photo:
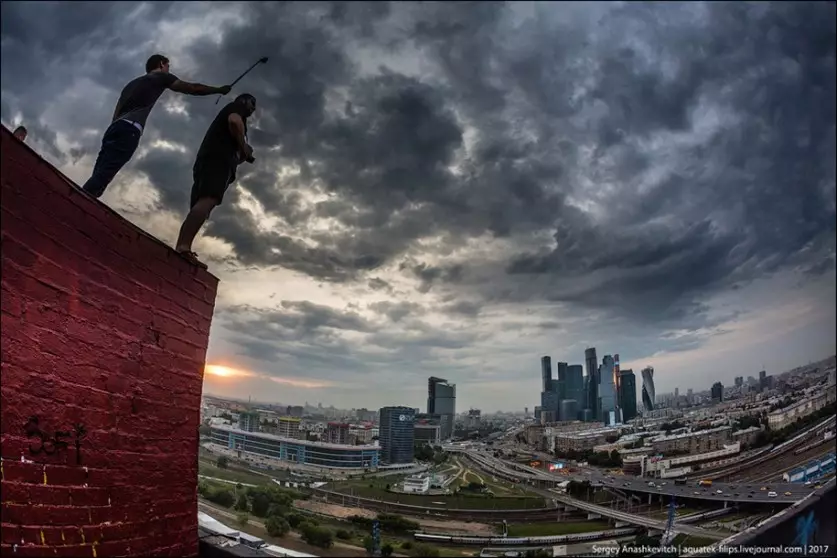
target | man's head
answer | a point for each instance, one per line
(248, 102)
(20, 133)
(157, 63)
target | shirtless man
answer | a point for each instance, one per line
(135, 103)
(224, 147)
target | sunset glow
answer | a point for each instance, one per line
(225, 371)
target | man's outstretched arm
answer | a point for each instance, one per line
(198, 89)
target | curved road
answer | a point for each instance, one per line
(786, 493)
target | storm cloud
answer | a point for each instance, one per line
(464, 185)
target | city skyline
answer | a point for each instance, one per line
(455, 190)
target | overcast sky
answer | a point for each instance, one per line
(456, 189)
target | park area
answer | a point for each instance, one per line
(464, 494)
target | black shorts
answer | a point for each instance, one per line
(211, 180)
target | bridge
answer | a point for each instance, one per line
(783, 493)
(635, 519)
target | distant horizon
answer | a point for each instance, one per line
(833, 356)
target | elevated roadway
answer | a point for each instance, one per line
(786, 493)
(635, 519)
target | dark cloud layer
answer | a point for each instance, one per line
(633, 158)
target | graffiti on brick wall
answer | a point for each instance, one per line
(49, 444)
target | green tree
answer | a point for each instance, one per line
(241, 504)
(367, 543)
(276, 526)
(295, 519)
(317, 536)
(342, 534)
(223, 462)
(261, 504)
(221, 497)
(387, 550)
(424, 550)
(242, 518)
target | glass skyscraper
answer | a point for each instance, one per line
(574, 387)
(627, 394)
(607, 390)
(648, 392)
(396, 434)
(441, 400)
(592, 365)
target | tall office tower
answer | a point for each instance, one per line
(607, 391)
(690, 398)
(396, 434)
(574, 388)
(763, 380)
(648, 392)
(616, 375)
(717, 392)
(627, 394)
(739, 381)
(546, 373)
(592, 365)
(550, 403)
(441, 400)
(569, 409)
(560, 385)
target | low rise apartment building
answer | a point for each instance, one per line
(693, 442)
(782, 418)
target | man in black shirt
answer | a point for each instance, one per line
(224, 147)
(135, 103)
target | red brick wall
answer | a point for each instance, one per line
(104, 335)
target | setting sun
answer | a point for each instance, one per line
(224, 371)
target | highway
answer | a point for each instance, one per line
(786, 493)
(635, 519)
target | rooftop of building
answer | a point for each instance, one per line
(276, 438)
(691, 434)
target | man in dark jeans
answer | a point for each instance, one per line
(224, 147)
(135, 103)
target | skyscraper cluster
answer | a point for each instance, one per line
(606, 393)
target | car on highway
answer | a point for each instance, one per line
(771, 494)
(719, 491)
(788, 494)
(763, 488)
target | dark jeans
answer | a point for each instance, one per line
(118, 145)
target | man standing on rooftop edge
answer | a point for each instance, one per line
(135, 103)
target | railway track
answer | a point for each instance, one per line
(516, 515)
(790, 463)
(740, 471)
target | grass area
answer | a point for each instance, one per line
(692, 541)
(557, 528)
(377, 488)
(237, 475)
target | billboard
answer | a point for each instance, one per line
(556, 465)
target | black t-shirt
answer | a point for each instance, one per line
(140, 96)
(219, 143)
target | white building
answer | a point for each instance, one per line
(416, 484)
(784, 417)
